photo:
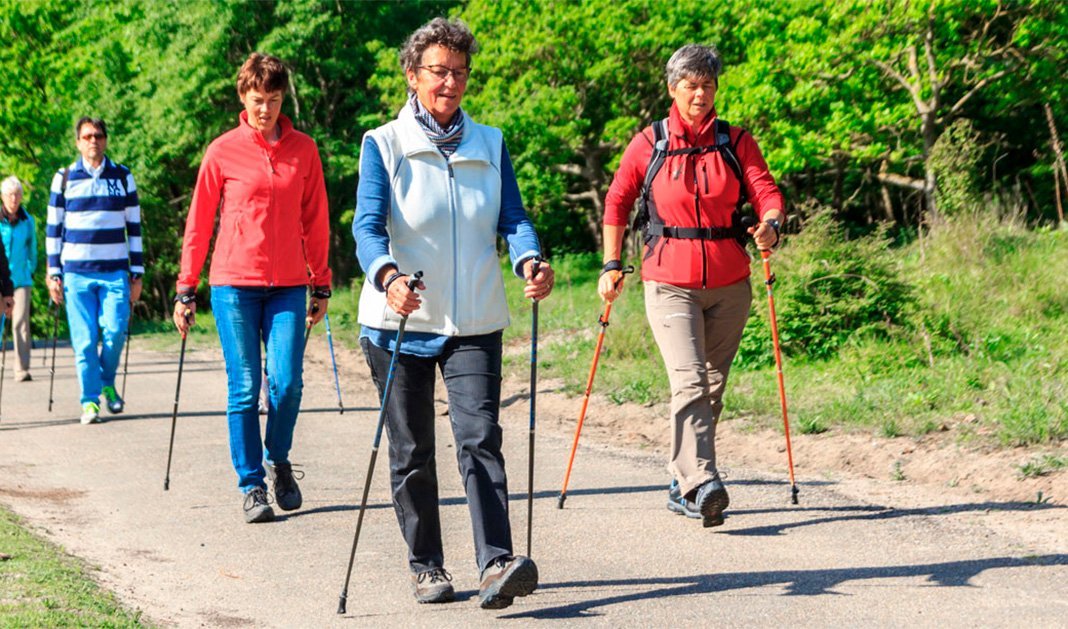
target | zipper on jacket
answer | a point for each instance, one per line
(704, 171)
(270, 221)
(697, 214)
(455, 254)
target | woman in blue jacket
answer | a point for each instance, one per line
(20, 242)
(435, 191)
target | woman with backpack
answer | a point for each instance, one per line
(692, 173)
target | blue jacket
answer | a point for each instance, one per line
(20, 244)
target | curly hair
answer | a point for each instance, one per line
(452, 34)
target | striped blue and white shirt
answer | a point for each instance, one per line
(94, 225)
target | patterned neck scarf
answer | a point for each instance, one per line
(447, 138)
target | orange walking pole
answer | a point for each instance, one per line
(769, 279)
(603, 320)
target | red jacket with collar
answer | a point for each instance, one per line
(274, 222)
(682, 179)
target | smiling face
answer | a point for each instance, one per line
(263, 109)
(694, 98)
(439, 81)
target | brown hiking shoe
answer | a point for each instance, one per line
(506, 578)
(432, 586)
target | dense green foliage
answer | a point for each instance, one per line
(43, 587)
(909, 138)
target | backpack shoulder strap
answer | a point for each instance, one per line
(727, 149)
(656, 160)
(63, 182)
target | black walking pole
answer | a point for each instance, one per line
(174, 414)
(55, 338)
(126, 362)
(308, 327)
(333, 361)
(3, 360)
(534, 268)
(413, 282)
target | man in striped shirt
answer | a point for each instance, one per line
(95, 261)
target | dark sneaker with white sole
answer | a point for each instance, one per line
(286, 491)
(433, 586)
(257, 506)
(506, 578)
(711, 501)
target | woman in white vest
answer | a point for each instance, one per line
(435, 191)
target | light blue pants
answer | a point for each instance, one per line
(250, 319)
(98, 310)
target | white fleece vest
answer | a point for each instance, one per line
(442, 221)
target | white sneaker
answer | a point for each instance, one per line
(90, 413)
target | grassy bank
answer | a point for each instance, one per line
(965, 329)
(40, 586)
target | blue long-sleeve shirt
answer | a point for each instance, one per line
(372, 240)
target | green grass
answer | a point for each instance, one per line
(40, 586)
(1043, 465)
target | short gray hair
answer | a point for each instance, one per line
(452, 34)
(694, 61)
(10, 185)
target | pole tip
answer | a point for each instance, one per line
(341, 604)
(166, 484)
(560, 501)
(793, 494)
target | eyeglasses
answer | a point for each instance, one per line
(93, 136)
(460, 75)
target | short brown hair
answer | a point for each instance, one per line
(99, 123)
(262, 72)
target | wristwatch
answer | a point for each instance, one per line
(321, 292)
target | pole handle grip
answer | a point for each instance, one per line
(413, 281)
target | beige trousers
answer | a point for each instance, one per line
(20, 329)
(698, 332)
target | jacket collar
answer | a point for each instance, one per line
(415, 141)
(284, 125)
(80, 165)
(705, 134)
(20, 216)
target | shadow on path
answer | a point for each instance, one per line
(796, 582)
(879, 513)
(109, 419)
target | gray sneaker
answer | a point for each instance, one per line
(257, 506)
(506, 578)
(711, 501)
(433, 586)
(679, 505)
(286, 491)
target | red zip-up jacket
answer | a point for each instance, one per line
(685, 262)
(274, 222)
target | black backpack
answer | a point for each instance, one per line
(648, 222)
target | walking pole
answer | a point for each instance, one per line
(3, 359)
(52, 370)
(126, 362)
(308, 327)
(534, 268)
(603, 320)
(413, 282)
(174, 414)
(333, 361)
(769, 279)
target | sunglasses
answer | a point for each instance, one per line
(93, 136)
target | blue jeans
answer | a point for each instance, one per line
(245, 317)
(97, 302)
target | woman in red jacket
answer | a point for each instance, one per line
(265, 180)
(695, 267)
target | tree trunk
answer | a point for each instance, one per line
(1058, 152)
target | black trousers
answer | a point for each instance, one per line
(471, 368)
